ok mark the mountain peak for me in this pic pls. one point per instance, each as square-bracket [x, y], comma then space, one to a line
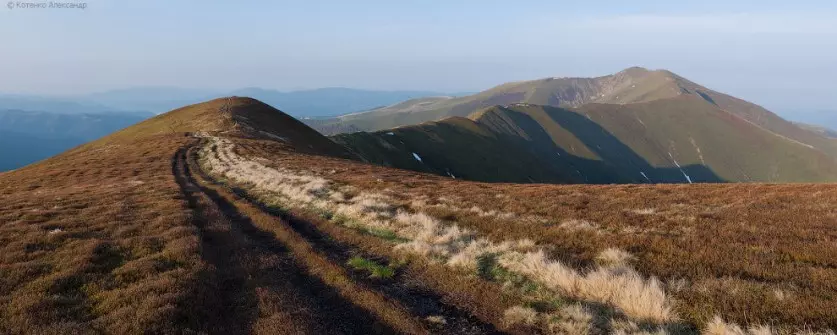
[635, 70]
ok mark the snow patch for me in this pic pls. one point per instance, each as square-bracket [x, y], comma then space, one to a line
[689, 179]
[700, 154]
[450, 174]
[273, 136]
[640, 121]
[646, 177]
[416, 156]
[391, 134]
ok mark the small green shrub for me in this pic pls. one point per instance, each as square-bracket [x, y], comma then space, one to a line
[376, 270]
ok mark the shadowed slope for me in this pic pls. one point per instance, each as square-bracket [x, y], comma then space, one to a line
[633, 85]
[680, 139]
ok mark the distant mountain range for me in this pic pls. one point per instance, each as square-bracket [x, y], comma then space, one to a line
[825, 131]
[27, 137]
[330, 101]
[322, 102]
[633, 85]
[33, 128]
[820, 120]
[637, 126]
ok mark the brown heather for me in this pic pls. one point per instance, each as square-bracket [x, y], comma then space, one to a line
[149, 232]
[98, 241]
[722, 249]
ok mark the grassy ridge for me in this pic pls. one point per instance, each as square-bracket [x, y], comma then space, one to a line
[672, 140]
[631, 86]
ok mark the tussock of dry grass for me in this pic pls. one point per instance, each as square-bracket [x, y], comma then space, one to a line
[614, 257]
[763, 236]
[622, 287]
[575, 224]
[672, 244]
[432, 238]
[717, 326]
[519, 315]
[576, 319]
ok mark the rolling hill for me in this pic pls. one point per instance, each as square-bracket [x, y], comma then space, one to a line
[823, 130]
[309, 103]
[232, 217]
[680, 139]
[57, 105]
[332, 101]
[633, 85]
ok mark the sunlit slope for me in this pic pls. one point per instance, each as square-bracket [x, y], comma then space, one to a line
[680, 139]
[633, 85]
[235, 116]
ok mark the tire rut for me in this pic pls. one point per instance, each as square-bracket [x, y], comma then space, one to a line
[419, 300]
[253, 284]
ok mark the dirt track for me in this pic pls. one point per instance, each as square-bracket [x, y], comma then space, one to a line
[257, 283]
[253, 283]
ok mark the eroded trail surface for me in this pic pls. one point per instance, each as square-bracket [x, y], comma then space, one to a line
[419, 301]
[253, 284]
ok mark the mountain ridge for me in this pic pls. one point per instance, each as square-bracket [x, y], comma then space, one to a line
[632, 85]
[680, 139]
[232, 201]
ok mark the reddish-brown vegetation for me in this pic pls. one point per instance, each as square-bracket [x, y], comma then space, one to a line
[126, 235]
[97, 241]
[754, 253]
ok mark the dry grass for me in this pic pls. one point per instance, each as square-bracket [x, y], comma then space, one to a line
[93, 241]
[101, 239]
[519, 315]
[764, 236]
[636, 297]
[433, 239]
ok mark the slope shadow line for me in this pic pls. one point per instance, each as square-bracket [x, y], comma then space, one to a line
[618, 164]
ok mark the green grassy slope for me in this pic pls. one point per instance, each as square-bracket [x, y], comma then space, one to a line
[670, 140]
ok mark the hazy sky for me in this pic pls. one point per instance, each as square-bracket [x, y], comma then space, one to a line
[782, 54]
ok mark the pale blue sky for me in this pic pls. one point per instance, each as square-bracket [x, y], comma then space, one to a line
[782, 54]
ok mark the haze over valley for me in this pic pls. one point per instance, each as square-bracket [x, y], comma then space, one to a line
[433, 167]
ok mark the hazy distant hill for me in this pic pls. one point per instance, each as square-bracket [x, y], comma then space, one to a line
[61, 123]
[151, 99]
[817, 118]
[329, 101]
[825, 131]
[27, 137]
[301, 103]
[64, 105]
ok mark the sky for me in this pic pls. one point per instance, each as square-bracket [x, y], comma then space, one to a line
[781, 54]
